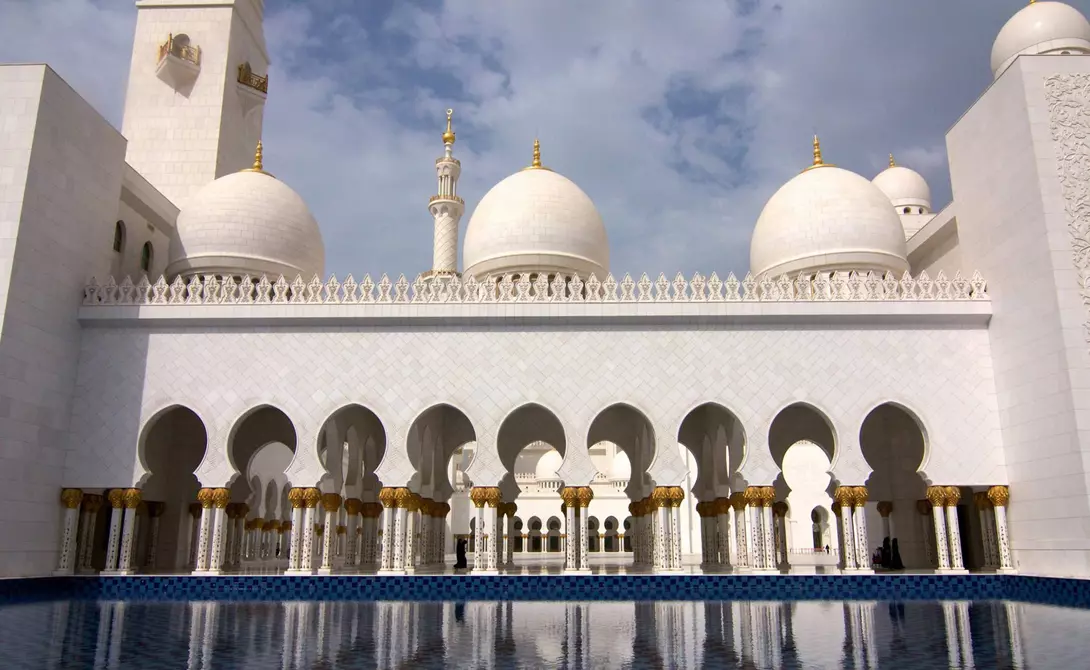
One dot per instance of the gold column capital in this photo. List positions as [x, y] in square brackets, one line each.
[311, 497]
[206, 497]
[999, 496]
[331, 502]
[953, 495]
[71, 498]
[297, 497]
[885, 507]
[584, 494]
[844, 496]
[936, 495]
[132, 498]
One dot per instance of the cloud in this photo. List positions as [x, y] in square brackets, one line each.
[678, 119]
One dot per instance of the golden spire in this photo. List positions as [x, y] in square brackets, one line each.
[537, 154]
[818, 162]
[891, 163]
[258, 165]
[448, 136]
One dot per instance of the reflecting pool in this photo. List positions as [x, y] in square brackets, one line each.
[598, 635]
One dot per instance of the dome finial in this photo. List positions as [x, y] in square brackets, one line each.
[448, 136]
[891, 161]
[258, 165]
[818, 161]
[537, 154]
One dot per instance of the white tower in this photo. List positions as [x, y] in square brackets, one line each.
[197, 87]
[447, 208]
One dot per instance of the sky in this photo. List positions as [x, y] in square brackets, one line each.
[679, 119]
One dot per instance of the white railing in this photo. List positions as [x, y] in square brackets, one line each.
[822, 287]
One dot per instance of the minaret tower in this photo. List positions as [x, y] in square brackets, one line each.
[447, 208]
[196, 94]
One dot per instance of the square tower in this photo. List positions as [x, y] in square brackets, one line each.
[196, 95]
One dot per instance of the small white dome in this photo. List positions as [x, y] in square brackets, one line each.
[1040, 28]
[904, 187]
[247, 223]
[621, 468]
[827, 219]
[536, 221]
[548, 464]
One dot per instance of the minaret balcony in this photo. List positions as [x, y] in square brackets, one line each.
[444, 159]
[252, 88]
[446, 198]
[179, 62]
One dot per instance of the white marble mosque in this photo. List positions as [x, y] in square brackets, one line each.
[177, 368]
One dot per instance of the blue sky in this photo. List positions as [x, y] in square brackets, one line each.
[679, 119]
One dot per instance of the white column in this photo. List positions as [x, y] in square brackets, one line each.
[479, 549]
[953, 532]
[493, 534]
[90, 507]
[1000, 497]
[937, 497]
[71, 499]
[155, 512]
[662, 536]
[295, 548]
[386, 557]
[350, 557]
[401, 544]
[219, 531]
[849, 536]
[722, 520]
[204, 530]
[741, 547]
[926, 531]
[768, 527]
[859, 529]
[987, 530]
[571, 529]
[510, 561]
[331, 505]
[306, 548]
[128, 533]
[584, 528]
[116, 498]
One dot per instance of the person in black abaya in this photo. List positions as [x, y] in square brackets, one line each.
[460, 552]
[895, 559]
[887, 553]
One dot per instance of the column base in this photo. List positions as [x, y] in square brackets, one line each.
[63, 573]
[857, 571]
[298, 571]
[392, 572]
[1006, 571]
[951, 571]
[577, 571]
[326, 571]
[763, 571]
[668, 571]
[484, 573]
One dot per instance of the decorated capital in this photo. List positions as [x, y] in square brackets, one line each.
[999, 496]
[71, 498]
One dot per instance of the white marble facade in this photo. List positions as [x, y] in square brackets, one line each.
[226, 417]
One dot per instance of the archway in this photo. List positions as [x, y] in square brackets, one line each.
[536, 543]
[173, 445]
[802, 443]
[612, 545]
[554, 535]
[624, 447]
[715, 441]
[894, 444]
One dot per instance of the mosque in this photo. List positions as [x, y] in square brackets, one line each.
[181, 374]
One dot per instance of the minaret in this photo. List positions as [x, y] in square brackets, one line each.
[446, 207]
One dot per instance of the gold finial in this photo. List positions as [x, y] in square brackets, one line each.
[891, 162]
[448, 136]
[818, 161]
[258, 165]
[537, 154]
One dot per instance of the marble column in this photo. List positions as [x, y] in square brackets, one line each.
[754, 496]
[206, 498]
[410, 512]
[923, 508]
[155, 512]
[92, 503]
[1000, 497]
[584, 494]
[71, 499]
[116, 498]
[844, 498]
[353, 507]
[859, 527]
[388, 497]
[128, 533]
[219, 533]
[311, 498]
[779, 512]
[331, 504]
[953, 530]
[936, 496]
[707, 538]
[677, 496]
[987, 529]
[885, 509]
[721, 508]
[768, 496]
[660, 499]
[479, 496]
[570, 496]
[741, 549]
[512, 510]
[495, 499]
[297, 499]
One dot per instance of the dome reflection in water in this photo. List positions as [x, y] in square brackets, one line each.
[599, 635]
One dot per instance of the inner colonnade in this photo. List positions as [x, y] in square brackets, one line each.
[804, 520]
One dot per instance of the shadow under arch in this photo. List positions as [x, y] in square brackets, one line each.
[701, 431]
[893, 441]
[528, 423]
[166, 412]
[257, 427]
[628, 427]
[433, 437]
[350, 445]
[798, 422]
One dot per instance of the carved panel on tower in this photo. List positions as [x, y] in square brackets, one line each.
[179, 62]
[252, 88]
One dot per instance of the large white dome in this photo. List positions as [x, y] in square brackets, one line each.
[247, 223]
[548, 465]
[621, 468]
[1040, 28]
[827, 219]
[536, 221]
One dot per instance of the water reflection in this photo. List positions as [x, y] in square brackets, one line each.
[758, 635]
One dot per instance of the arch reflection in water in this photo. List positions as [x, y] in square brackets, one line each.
[622, 635]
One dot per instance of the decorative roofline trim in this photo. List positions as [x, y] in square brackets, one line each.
[821, 287]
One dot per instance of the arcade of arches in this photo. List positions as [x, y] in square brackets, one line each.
[349, 521]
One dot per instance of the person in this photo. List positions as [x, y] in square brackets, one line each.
[876, 557]
[460, 551]
[896, 562]
[887, 553]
